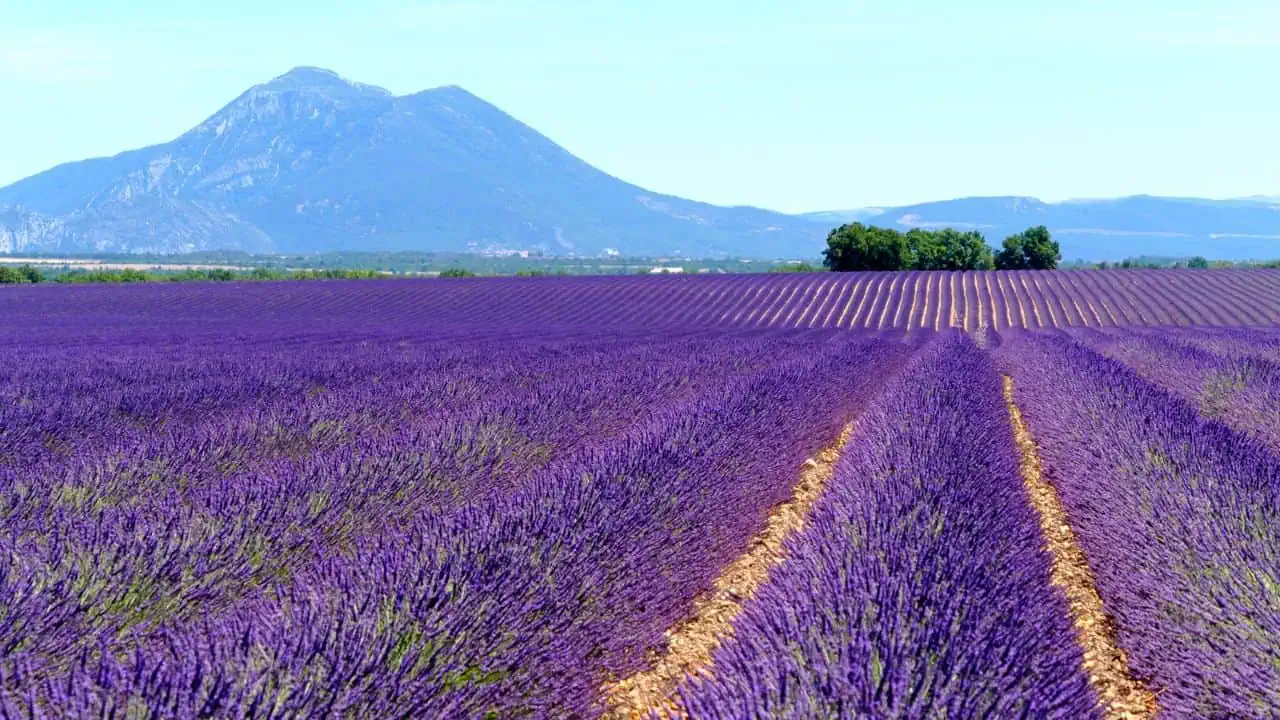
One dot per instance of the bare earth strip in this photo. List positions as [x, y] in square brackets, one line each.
[691, 642]
[1126, 697]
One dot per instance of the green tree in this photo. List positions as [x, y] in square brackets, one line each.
[964, 251]
[1043, 253]
[1198, 263]
[221, 274]
[261, 273]
[127, 275]
[1031, 249]
[800, 267]
[925, 250]
[1013, 255]
[130, 275]
[858, 247]
[21, 275]
[456, 273]
[189, 275]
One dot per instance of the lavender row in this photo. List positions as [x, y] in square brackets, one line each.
[192, 519]
[920, 587]
[1240, 390]
[56, 396]
[349, 393]
[1179, 517]
[513, 601]
[1261, 343]
[1000, 300]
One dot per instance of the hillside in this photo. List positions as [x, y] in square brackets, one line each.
[310, 162]
[1241, 229]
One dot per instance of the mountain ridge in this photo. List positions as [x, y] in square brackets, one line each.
[1100, 229]
[310, 161]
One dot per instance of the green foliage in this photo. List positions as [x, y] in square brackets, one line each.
[186, 276]
[456, 273]
[21, 275]
[860, 247]
[949, 249]
[1031, 249]
[1013, 255]
[334, 274]
[265, 274]
[800, 267]
[219, 274]
[278, 266]
[128, 275]
[856, 246]
[80, 275]
[1152, 262]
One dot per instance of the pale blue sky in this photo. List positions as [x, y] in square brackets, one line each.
[797, 105]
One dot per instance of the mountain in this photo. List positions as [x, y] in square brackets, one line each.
[311, 162]
[1245, 228]
[840, 217]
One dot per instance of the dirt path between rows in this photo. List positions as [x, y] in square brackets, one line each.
[691, 642]
[1125, 697]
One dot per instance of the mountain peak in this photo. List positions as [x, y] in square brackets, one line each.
[455, 93]
[320, 80]
[310, 162]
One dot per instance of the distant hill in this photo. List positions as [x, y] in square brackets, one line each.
[1240, 229]
[310, 162]
[841, 217]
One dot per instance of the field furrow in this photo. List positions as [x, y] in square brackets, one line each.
[1124, 696]
[870, 495]
[1239, 390]
[653, 481]
[1177, 516]
[691, 642]
[920, 588]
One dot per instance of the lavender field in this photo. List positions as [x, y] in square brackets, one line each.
[1032, 495]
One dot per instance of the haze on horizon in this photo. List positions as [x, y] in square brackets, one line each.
[813, 106]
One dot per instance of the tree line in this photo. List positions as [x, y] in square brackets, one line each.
[20, 275]
[28, 274]
[863, 247]
[1193, 263]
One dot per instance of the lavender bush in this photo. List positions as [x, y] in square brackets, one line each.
[920, 589]
[1179, 517]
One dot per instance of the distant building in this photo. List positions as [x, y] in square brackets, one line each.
[666, 270]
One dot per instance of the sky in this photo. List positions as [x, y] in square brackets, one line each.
[795, 106]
